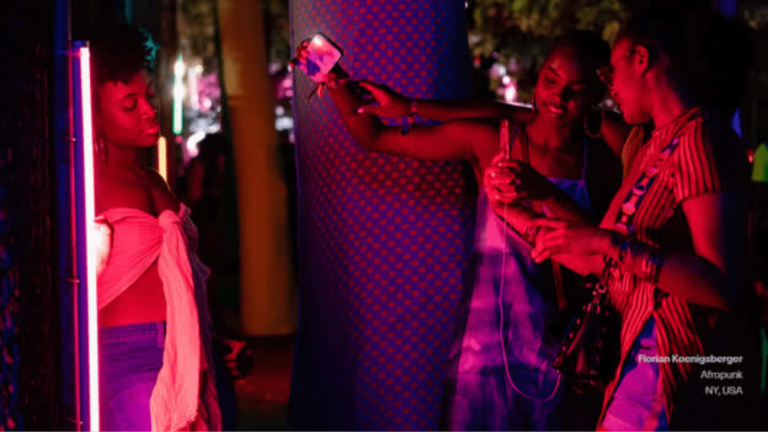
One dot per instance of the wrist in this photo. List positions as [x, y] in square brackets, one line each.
[647, 265]
[518, 216]
[336, 78]
[410, 117]
[638, 258]
[338, 73]
[413, 108]
[615, 245]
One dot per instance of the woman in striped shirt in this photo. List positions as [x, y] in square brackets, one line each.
[674, 239]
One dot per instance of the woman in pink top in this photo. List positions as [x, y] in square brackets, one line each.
[156, 367]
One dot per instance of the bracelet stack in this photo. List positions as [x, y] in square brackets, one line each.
[410, 118]
[647, 268]
[651, 266]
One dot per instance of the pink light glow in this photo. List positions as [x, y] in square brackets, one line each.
[90, 240]
[510, 93]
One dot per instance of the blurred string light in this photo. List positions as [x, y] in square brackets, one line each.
[192, 76]
[510, 93]
[283, 119]
[200, 129]
[283, 123]
[498, 71]
[508, 88]
[178, 95]
[193, 144]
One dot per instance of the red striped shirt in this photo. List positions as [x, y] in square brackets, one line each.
[692, 170]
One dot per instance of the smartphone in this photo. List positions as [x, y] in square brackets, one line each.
[322, 56]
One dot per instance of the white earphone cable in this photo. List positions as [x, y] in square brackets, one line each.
[501, 322]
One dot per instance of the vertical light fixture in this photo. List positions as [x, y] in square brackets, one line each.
[178, 95]
[90, 215]
[162, 157]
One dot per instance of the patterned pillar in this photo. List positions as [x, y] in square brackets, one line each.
[384, 241]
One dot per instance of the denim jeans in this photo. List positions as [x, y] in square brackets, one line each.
[130, 358]
[638, 402]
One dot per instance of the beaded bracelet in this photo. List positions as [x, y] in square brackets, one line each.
[651, 266]
[625, 257]
[410, 118]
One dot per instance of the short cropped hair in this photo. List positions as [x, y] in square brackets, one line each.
[119, 51]
[710, 55]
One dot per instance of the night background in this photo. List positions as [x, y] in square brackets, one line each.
[253, 296]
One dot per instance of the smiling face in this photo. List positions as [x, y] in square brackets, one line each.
[126, 115]
[567, 87]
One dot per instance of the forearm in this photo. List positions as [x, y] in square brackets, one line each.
[688, 276]
[520, 219]
[455, 109]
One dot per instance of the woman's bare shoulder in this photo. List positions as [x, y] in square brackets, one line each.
[161, 192]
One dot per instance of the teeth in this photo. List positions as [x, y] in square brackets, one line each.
[555, 110]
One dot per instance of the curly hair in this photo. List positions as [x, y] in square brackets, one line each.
[119, 51]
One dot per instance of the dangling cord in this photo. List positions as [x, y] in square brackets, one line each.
[501, 319]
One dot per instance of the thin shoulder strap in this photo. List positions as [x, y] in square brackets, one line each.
[562, 300]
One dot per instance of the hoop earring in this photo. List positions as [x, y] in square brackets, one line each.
[599, 133]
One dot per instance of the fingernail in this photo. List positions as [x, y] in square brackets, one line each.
[359, 110]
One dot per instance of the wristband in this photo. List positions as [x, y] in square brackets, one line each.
[410, 118]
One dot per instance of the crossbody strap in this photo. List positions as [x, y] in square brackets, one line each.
[636, 195]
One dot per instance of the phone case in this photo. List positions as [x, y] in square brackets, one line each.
[322, 56]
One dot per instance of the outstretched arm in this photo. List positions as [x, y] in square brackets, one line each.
[392, 104]
[452, 140]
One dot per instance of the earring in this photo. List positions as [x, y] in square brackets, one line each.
[101, 150]
[599, 131]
